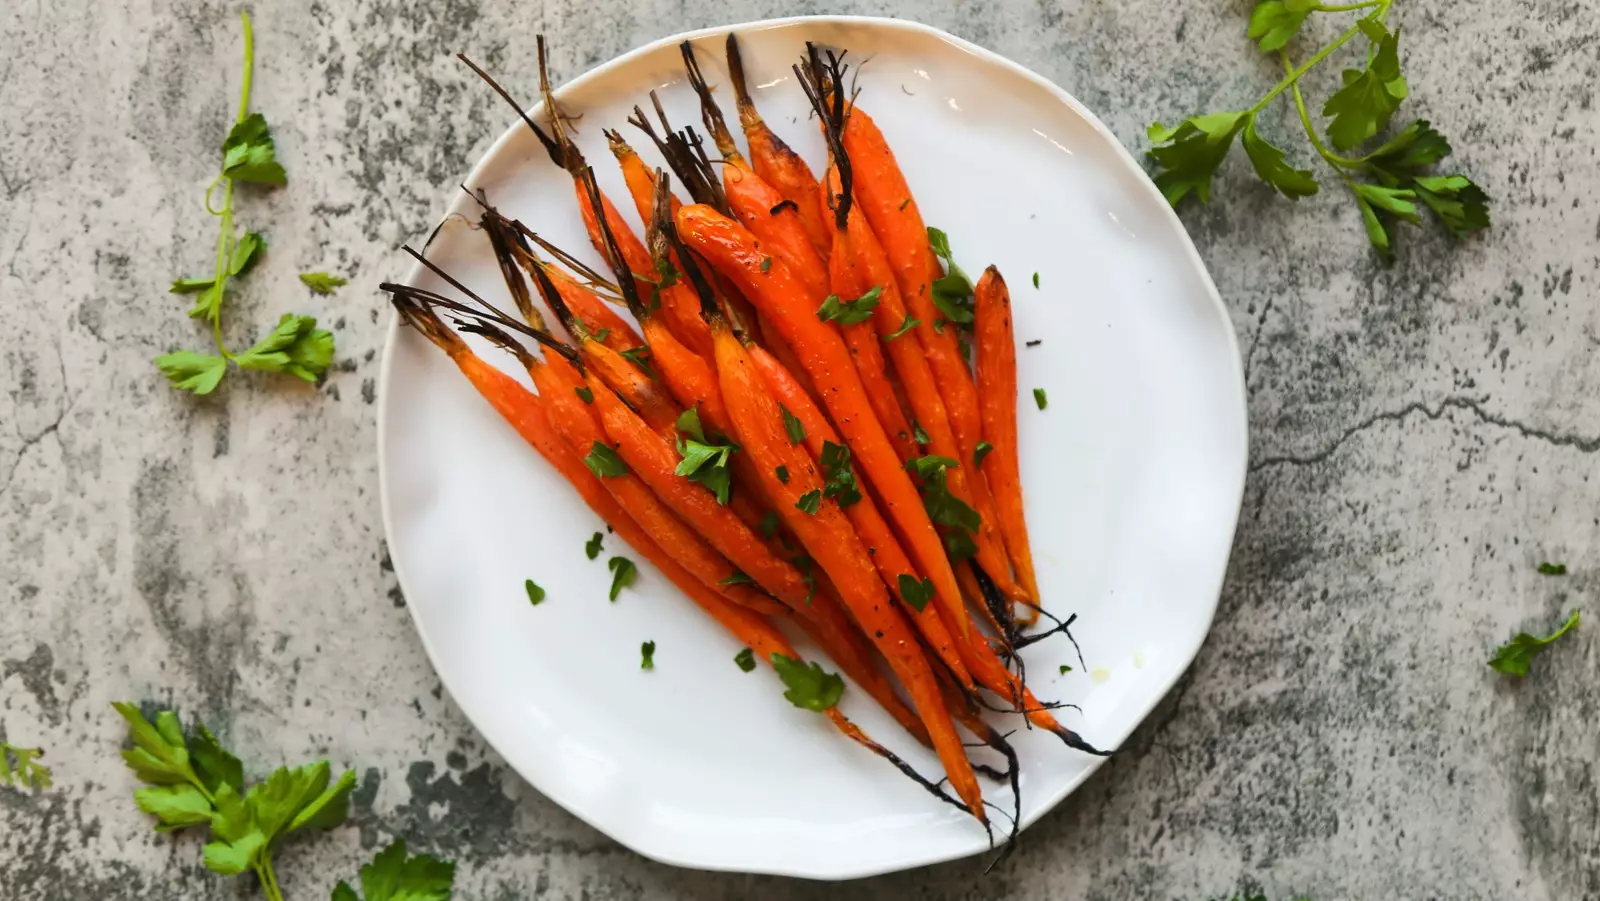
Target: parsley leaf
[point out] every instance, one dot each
(322, 282)
(535, 593)
(640, 357)
(792, 425)
(249, 155)
(808, 686)
(746, 659)
(952, 293)
(623, 574)
(1064, 669)
(604, 462)
(1036, 280)
(585, 393)
(1274, 22)
(738, 578)
(1189, 154)
(1552, 569)
(1380, 208)
(190, 371)
(1270, 166)
(1370, 96)
(906, 325)
(768, 526)
(1514, 657)
(782, 472)
(809, 503)
(28, 772)
(916, 594)
(393, 876)
(594, 545)
(647, 655)
(296, 346)
(1040, 398)
(766, 264)
(981, 451)
(1462, 206)
(920, 436)
(851, 313)
(944, 508)
(840, 480)
(701, 461)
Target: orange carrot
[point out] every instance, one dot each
(997, 401)
(887, 555)
(776, 163)
(770, 285)
(759, 206)
(833, 543)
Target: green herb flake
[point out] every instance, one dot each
(535, 593)
(782, 472)
(792, 425)
(768, 526)
(1552, 569)
(840, 481)
(920, 436)
(1036, 281)
(1065, 669)
(808, 686)
(906, 325)
(738, 578)
(584, 394)
(701, 460)
(623, 574)
(809, 503)
(981, 451)
(746, 659)
(1514, 657)
(1040, 398)
(916, 594)
(766, 264)
(852, 313)
(322, 282)
(604, 462)
(594, 545)
(647, 655)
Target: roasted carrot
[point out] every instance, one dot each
(997, 402)
(776, 163)
(759, 206)
(822, 354)
(834, 545)
(882, 545)
(848, 283)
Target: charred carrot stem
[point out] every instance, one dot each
(776, 163)
(997, 402)
(884, 548)
(758, 205)
(834, 545)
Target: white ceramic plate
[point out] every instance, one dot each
(1134, 476)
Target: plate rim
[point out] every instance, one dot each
(1122, 154)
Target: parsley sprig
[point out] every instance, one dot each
(296, 346)
(191, 780)
(1515, 656)
(1390, 183)
(28, 772)
(702, 460)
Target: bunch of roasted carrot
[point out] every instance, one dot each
(790, 429)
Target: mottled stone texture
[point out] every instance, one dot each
(1422, 436)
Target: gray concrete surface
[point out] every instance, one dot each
(1423, 436)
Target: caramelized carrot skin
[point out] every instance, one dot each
(834, 545)
(821, 353)
(996, 349)
(595, 314)
(627, 379)
(882, 546)
(762, 209)
(782, 168)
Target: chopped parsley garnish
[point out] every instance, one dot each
(952, 293)
(738, 578)
(851, 313)
(1040, 398)
(809, 503)
(906, 325)
(792, 425)
(920, 436)
(604, 462)
(640, 357)
(768, 526)
(647, 655)
(915, 594)
(766, 264)
(1036, 280)
(535, 593)
(1065, 669)
(701, 460)
(592, 547)
(944, 508)
(841, 481)
(1552, 569)
(584, 394)
(782, 472)
(623, 572)
(808, 686)
(981, 451)
(746, 659)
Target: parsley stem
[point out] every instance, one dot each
(269, 880)
(1346, 7)
(249, 65)
(1294, 75)
(1333, 159)
(225, 239)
